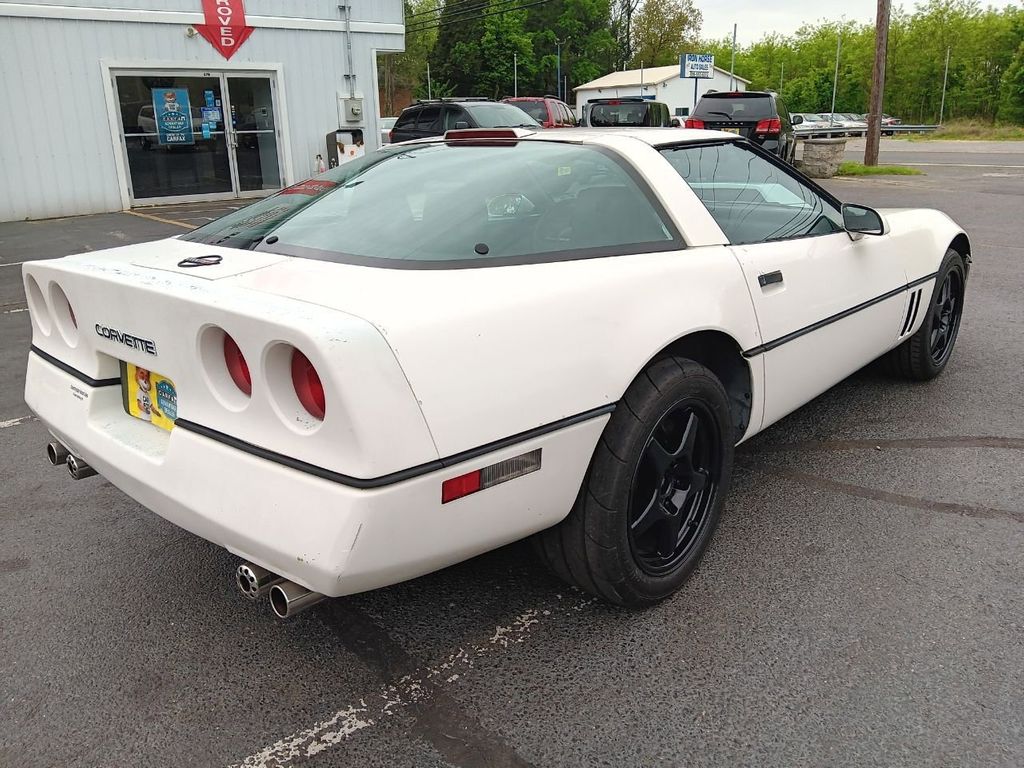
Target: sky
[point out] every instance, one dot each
(755, 19)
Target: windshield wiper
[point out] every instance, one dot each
(723, 114)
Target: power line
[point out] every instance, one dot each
(441, 8)
(495, 11)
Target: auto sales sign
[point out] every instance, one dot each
(698, 65)
(225, 25)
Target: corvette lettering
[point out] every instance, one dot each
(132, 342)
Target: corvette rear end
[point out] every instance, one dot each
(282, 430)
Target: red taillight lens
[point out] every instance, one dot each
(693, 123)
(391, 136)
(308, 387)
(772, 126)
(237, 367)
(460, 486)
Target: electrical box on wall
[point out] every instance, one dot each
(350, 109)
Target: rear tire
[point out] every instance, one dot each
(924, 355)
(654, 492)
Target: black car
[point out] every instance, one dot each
(759, 116)
(433, 118)
(625, 112)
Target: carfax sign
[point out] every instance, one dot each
(173, 115)
(698, 65)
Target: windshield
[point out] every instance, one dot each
(492, 115)
(735, 107)
(428, 204)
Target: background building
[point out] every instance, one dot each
(659, 84)
(202, 99)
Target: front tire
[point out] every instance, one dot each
(654, 492)
(924, 355)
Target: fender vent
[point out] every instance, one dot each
(912, 308)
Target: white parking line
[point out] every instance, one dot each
(411, 689)
(12, 311)
(959, 165)
(16, 422)
(13, 264)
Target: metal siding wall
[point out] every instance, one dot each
(389, 11)
(57, 158)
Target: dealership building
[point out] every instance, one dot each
(119, 105)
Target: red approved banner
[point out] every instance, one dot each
(225, 26)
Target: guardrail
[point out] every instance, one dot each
(839, 131)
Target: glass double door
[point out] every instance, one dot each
(198, 135)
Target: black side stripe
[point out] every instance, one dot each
(85, 379)
(401, 475)
(768, 346)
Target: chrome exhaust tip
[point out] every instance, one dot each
(56, 453)
(78, 468)
(254, 581)
(288, 598)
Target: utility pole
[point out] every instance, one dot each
(429, 94)
(732, 66)
(877, 84)
(782, 76)
(515, 73)
(558, 75)
(945, 77)
(835, 78)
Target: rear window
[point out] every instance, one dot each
(735, 107)
(497, 115)
(535, 109)
(622, 113)
(428, 205)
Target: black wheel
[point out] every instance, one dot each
(924, 355)
(654, 491)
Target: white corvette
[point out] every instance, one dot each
(452, 344)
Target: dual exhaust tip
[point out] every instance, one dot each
(78, 468)
(286, 597)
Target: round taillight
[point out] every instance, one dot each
(237, 368)
(308, 387)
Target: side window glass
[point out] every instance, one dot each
(407, 119)
(429, 119)
(453, 115)
(752, 199)
(567, 115)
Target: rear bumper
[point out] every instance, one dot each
(327, 536)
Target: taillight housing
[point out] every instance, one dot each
(308, 387)
(693, 123)
(769, 127)
(238, 369)
(391, 136)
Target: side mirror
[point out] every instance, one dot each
(460, 124)
(797, 119)
(861, 220)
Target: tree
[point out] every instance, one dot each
(1011, 96)
(662, 30)
(504, 38)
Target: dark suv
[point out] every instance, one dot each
(759, 116)
(549, 111)
(625, 112)
(433, 118)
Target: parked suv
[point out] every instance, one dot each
(630, 111)
(433, 118)
(549, 111)
(759, 116)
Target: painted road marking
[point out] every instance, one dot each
(16, 422)
(960, 165)
(408, 690)
(159, 218)
(13, 264)
(12, 311)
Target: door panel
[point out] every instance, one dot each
(807, 348)
(254, 133)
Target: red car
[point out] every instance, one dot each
(546, 110)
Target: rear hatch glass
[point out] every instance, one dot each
(625, 113)
(736, 114)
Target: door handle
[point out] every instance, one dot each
(769, 278)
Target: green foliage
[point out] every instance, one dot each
(470, 48)
(850, 168)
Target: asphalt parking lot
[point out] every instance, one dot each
(861, 604)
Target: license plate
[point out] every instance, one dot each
(731, 130)
(149, 396)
